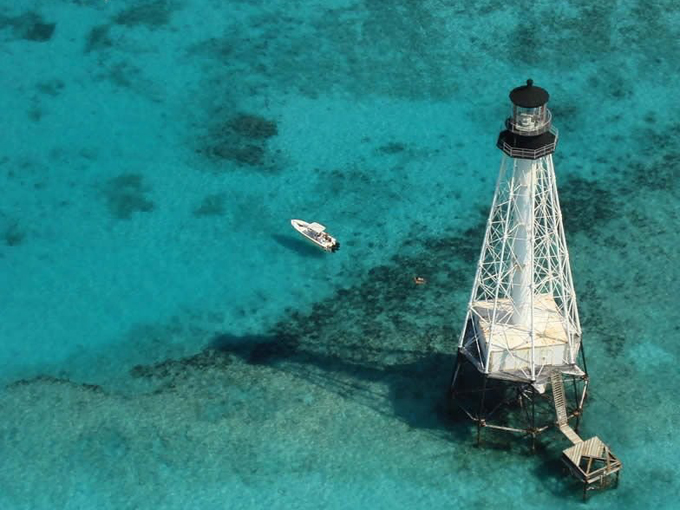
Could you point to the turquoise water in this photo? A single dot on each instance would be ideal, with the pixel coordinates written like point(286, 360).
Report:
point(168, 341)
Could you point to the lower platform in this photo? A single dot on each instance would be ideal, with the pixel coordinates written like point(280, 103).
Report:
point(509, 347)
point(593, 464)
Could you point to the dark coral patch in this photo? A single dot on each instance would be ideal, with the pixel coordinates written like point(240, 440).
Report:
point(98, 39)
point(544, 32)
point(657, 175)
point(466, 246)
point(125, 195)
point(253, 126)
point(248, 155)
point(13, 234)
point(567, 112)
point(215, 47)
point(123, 74)
point(35, 113)
point(29, 27)
point(658, 169)
point(586, 204)
point(346, 180)
point(273, 51)
point(52, 87)
point(241, 139)
point(212, 205)
point(152, 14)
point(392, 148)
point(39, 32)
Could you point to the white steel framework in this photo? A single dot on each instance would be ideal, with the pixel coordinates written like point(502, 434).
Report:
point(522, 316)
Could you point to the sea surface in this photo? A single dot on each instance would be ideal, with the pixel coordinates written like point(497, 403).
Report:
point(167, 341)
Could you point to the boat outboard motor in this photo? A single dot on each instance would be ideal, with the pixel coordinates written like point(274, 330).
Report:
point(335, 247)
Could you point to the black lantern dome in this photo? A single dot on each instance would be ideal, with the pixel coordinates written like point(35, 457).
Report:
point(529, 96)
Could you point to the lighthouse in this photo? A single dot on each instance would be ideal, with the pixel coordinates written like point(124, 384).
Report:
point(521, 364)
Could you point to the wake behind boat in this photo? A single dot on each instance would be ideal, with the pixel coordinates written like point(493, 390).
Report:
point(317, 234)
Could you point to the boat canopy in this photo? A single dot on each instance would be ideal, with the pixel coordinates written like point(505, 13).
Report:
point(318, 227)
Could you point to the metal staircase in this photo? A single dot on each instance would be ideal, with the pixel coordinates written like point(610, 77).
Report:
point(561, 408)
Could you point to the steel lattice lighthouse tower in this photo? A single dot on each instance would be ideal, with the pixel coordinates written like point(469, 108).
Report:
point(522, 333)
point(522, 321)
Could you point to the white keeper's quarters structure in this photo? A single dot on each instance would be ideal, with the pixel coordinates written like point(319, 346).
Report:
point(522, 333)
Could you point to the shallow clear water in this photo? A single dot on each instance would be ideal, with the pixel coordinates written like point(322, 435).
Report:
point(167, 340)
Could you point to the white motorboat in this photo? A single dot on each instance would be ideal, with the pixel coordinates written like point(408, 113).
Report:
point(316, 233)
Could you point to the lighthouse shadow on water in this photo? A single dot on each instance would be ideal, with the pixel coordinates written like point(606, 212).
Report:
point(414, 388)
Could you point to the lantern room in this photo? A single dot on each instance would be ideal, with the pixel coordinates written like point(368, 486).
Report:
point(528, 134)
point(530, 115)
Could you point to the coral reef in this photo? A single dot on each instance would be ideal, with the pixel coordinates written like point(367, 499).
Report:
point(211, 205)
point(29, 26)
point(126, 195)
point(98, 38)
point(241, 139)
point(151, 14)
point(253, 127)
point(13, 234)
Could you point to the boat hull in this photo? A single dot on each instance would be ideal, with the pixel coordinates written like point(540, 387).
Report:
point(316, 234)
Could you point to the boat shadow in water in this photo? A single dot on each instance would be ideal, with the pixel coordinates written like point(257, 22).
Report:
point(299, 246)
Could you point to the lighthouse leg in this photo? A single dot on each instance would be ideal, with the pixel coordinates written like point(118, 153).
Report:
point(533, 420)
point(578, 409)
point(480, 420)
point(454, 376)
